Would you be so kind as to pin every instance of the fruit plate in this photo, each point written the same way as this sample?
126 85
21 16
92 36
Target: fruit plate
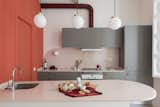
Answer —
77 92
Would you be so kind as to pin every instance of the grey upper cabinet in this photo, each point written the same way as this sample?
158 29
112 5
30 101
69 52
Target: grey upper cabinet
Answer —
92 38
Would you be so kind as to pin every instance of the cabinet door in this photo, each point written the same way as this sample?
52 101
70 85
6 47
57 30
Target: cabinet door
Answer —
92 38
138 48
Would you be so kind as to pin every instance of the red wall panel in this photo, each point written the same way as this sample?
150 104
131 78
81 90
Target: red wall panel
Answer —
7 33
23 48
12 32
37 42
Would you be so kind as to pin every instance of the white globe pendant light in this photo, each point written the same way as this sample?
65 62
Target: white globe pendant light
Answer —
115 22
78 21
40 20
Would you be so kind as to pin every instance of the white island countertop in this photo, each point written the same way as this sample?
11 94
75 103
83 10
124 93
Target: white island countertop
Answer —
113 90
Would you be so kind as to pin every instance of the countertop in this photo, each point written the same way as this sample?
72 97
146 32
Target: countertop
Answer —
113 90
82 70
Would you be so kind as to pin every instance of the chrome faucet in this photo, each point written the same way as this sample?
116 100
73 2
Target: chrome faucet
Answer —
77 65
17 68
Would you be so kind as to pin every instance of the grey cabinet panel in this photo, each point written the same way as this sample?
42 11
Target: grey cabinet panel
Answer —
63 76
138 48
92 38
71 39
42 76
115 75
138 53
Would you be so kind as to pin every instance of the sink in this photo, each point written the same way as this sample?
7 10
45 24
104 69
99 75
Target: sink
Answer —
26 85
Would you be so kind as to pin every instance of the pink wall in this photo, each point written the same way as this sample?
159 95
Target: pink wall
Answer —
108 58
60 18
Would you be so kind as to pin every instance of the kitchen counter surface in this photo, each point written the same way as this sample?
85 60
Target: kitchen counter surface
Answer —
82 70
113 90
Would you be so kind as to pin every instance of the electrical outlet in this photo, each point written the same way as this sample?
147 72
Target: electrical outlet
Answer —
92 76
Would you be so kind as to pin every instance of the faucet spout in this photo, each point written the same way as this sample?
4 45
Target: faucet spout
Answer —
77 65
17 68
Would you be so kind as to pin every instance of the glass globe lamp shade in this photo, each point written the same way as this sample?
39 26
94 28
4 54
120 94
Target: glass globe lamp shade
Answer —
78 21
115 23
40 20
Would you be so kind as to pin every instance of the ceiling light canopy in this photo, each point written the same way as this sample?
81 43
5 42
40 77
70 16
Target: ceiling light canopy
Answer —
40 20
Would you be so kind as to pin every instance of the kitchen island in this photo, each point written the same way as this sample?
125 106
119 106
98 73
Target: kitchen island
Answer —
116 93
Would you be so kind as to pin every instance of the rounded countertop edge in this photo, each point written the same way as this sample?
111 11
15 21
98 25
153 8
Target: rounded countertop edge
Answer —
154 94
